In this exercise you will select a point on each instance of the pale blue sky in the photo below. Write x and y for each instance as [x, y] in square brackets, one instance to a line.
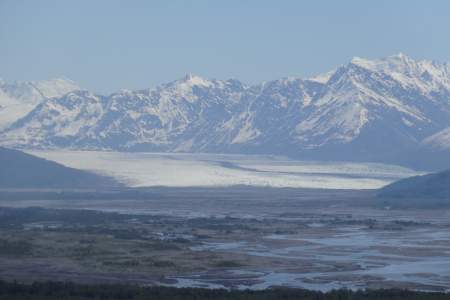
[108, 45]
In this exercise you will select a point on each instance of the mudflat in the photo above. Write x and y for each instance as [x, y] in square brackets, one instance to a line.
[239, 237]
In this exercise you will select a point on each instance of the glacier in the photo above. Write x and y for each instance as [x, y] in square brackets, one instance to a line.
[223, 170]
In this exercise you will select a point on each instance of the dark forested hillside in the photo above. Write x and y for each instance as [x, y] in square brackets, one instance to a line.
[424, 191]
[21, 170]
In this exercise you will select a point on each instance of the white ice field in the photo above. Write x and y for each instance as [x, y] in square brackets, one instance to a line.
[183, 170]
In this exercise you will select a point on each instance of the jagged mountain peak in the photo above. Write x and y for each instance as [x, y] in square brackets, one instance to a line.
[399, 58]
[191, 79]
[286, 81]
[323, 77]
[425, 76]
[400, 63]
[377, 64]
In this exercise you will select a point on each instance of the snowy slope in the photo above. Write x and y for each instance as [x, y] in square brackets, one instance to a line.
[57, 121]
[361, 95]
[19, 98]
[366, 110]
[440, 140]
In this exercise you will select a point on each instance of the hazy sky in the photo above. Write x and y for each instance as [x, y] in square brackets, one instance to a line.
[108, 45]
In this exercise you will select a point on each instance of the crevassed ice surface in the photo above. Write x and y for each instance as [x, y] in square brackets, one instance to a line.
[182, 170]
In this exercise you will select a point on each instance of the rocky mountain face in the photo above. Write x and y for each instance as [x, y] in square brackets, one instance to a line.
[394, 110]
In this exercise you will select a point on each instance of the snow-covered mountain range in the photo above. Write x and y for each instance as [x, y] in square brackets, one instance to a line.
[394, 110]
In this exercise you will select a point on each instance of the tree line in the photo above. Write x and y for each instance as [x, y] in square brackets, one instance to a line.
[74, 291]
